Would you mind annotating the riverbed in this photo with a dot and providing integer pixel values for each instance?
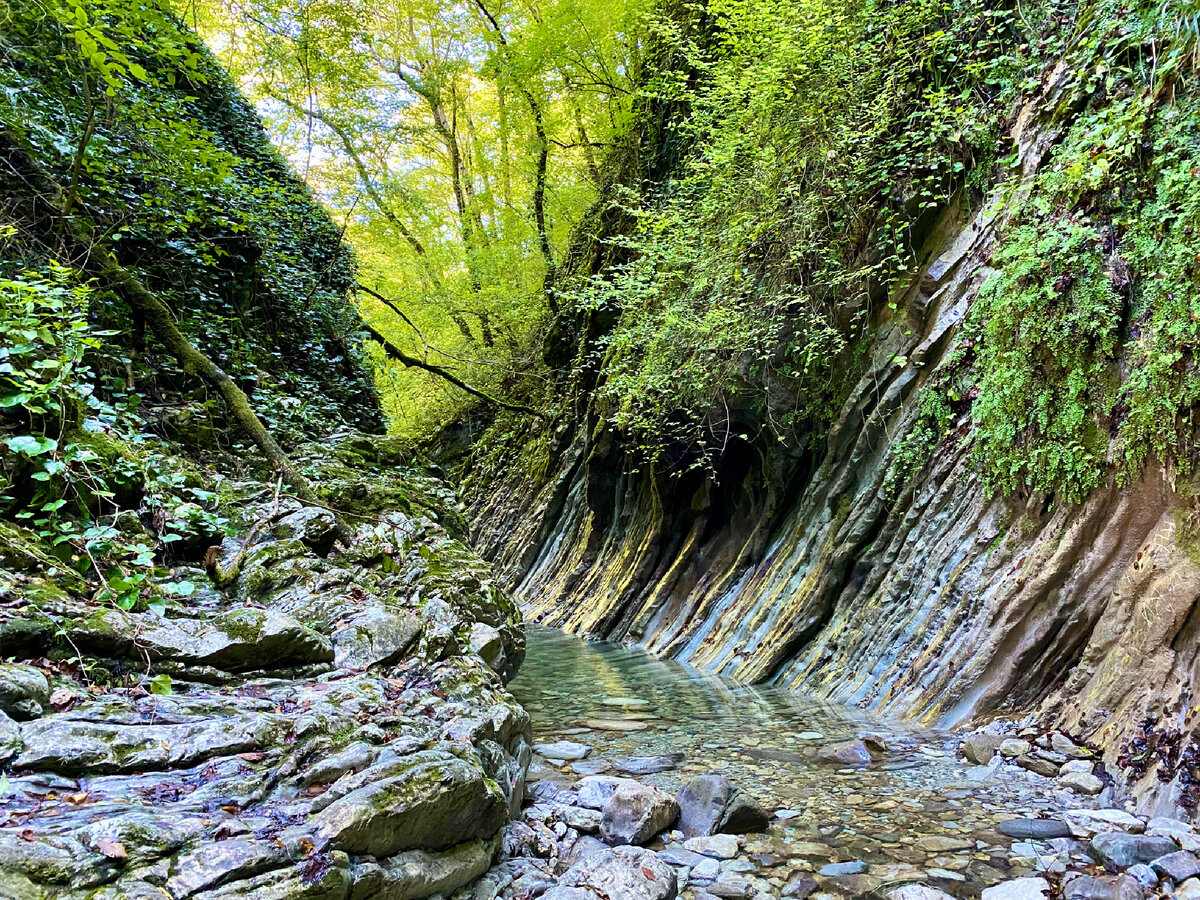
(917, 812)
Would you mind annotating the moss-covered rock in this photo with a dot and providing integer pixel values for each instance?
(233, 641)
(436, 801)
(346, 700)
(24, 691)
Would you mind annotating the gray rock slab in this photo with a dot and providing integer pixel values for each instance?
(633, 815)
(374, 637)
(1178, 866)
(435, 803)
(649, 765)
(1102, 887)
(979, 748)
(681, 856)
(24, 691)
(833, 870)
(1032, 888)
(1034, 829)
(566, 750)
(629, 873)
(1086, 823)
(718, 846)
(1120, 850)
(917, 892)
(1081, 783)
(846, 753)
(236, 640)
(595, 790)
(419, 873)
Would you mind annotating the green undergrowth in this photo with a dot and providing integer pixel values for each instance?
(109, 451)
(126, 110)
(814, 143)
(807, 150)
(79, 468)
(1079, 353)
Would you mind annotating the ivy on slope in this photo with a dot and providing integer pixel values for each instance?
(815, 142)
(104, 440)
(810, 147)
(129, 112)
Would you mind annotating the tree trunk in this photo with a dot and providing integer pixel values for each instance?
(539, 184)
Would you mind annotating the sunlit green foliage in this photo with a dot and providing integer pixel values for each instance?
(775, 167)
(816, 138)
(152, 144)
(124, 109)
(418, 123)
(1080, 350)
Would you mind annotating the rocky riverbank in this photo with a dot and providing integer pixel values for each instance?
(334, 720)
(329, 723)
(652, 780)
(598, 836)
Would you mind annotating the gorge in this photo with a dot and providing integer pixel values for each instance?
(599, 450)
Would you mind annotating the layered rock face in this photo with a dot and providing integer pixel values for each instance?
(335, 726)
(940, 603)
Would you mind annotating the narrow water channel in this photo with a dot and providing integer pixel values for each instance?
(916, 813)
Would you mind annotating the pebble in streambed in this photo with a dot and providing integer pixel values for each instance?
(785, 810)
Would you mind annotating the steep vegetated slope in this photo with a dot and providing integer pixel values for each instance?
(151, 145)
(879, 371)
(219, 592)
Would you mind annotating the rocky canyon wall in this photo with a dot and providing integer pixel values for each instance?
(940, 602)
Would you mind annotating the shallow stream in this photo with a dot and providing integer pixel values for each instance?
(917, 813)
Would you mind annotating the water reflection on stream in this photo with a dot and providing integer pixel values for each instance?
(917, 814)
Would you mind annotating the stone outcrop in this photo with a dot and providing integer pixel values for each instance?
(336, 724)
(626, 872)
(936, 602)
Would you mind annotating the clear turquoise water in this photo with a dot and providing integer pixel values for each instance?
(917, 813)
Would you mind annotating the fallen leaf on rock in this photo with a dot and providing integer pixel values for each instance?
(112, 849)
(62, 698)
(252, 757)
(648, 872)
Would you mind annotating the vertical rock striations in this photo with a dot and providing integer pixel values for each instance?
(937, 601)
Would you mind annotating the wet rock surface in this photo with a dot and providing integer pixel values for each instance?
(339, 728)
(335, 724)
(636, 813)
